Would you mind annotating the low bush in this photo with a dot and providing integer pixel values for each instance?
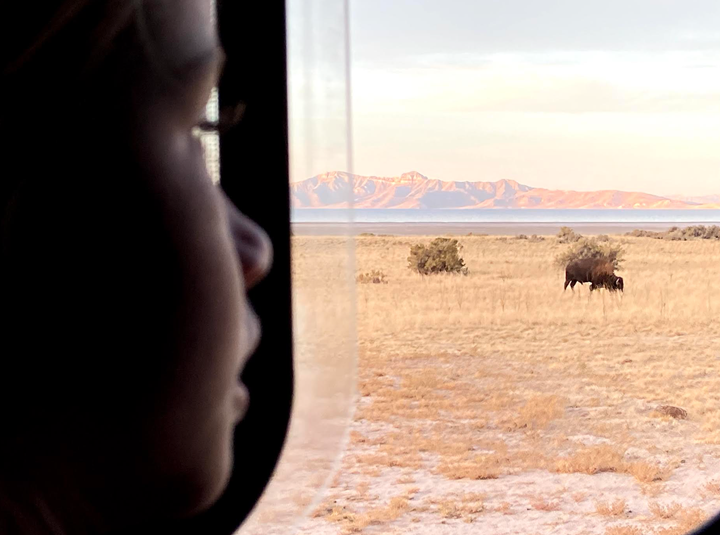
(373, 277)
(568, 235)
(695, 232)
(442, 255)
(591, 248)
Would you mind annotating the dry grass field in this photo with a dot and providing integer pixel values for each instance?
(497, 403)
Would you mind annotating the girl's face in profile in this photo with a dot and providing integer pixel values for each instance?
(213, 252)
(221, 254)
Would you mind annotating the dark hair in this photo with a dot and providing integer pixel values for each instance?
(55, 51)
(54, 28)
(47, 50)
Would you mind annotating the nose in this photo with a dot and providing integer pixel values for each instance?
(252, 244)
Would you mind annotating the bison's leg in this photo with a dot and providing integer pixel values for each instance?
(572, 285)
(592, 286)
(566, 285)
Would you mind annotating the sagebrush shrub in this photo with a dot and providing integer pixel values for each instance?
(373, 277)
(592, 248)
(639, 233)
(568, 235)
(694, 232)
(442, 255)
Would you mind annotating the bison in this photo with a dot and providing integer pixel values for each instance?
(598, 272)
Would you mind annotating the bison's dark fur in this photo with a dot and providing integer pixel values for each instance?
(599, 273)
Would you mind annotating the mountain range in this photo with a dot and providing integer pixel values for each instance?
(416, 191)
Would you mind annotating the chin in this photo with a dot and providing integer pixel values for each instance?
(215, 481)
(199, 490)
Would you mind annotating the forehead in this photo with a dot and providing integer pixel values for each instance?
(182, 30)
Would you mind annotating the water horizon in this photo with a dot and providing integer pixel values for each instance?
(505, 215)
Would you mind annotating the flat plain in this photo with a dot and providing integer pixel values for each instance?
(498, 403)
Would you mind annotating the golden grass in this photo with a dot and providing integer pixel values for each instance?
(687, 520)
(515, 281)
(579, 496)
(593, 460)
(606, 458)
(540, 503)
(647, 472)
(653, 490)
(504, 508)
(615, 508)
(473, 378)
(466, 506)
(404, 459)
(665, 511)
(406, 478)
(692, 518)
(711, 489)
(535, 413)
(480, 467)
(354, 522)
(451, 509)
(625, 530)
(362, 488)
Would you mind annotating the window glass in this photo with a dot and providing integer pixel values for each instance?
(323, 297)
(495, 144)
(211, 140)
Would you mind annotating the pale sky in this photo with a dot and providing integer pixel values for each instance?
(612, 94)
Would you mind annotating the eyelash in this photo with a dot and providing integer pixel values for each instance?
(230, 116)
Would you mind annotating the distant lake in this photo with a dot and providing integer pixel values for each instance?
(506, 215)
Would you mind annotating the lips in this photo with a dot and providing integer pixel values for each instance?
(252, 328)
(250, 336)
(242, 400)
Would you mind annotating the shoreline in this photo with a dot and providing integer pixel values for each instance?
(462, 229)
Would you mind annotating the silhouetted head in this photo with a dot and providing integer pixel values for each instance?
(620, 284)
(123, 269)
